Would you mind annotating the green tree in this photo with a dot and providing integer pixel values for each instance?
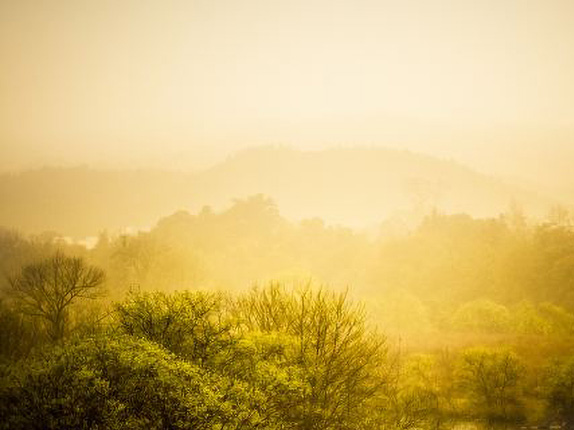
(193, 325)
(122, 382)
(482, 316)
(342, 360)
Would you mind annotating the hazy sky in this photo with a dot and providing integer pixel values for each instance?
(136, 82)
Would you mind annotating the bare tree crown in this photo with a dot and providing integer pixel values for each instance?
(46, 289)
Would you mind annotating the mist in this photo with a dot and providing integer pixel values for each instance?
(303, 215)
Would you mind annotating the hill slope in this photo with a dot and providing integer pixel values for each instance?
(356, 187)
(359, 186)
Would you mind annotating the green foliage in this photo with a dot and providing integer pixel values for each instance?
(122, 382)
(263, 361)
(302, 360)
(482, 316)
(527, 319)
(308, 353)
(561, 321)
(190, 324)
(342, 361)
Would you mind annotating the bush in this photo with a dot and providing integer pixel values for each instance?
(122, 382)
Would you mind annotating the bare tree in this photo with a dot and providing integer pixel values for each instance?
(48, 288)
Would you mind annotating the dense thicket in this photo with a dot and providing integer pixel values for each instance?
(191, 360)
(271, 358)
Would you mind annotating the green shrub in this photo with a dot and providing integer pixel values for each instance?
(122, 382)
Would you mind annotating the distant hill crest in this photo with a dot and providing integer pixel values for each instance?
(350, 186)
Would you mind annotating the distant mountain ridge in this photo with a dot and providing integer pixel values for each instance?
(355, 187)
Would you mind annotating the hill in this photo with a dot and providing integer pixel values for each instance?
(355, 187)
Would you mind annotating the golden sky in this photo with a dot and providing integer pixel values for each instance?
(121, 81)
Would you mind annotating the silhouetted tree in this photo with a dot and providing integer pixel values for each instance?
(47, 289)
(491, 379)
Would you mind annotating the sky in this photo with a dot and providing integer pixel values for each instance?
(179, 83)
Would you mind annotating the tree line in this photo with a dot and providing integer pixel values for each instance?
(459, 319)
(271, 358)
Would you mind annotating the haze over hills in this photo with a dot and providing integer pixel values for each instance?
(81, 201)
(355, 187)
(358, 187)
